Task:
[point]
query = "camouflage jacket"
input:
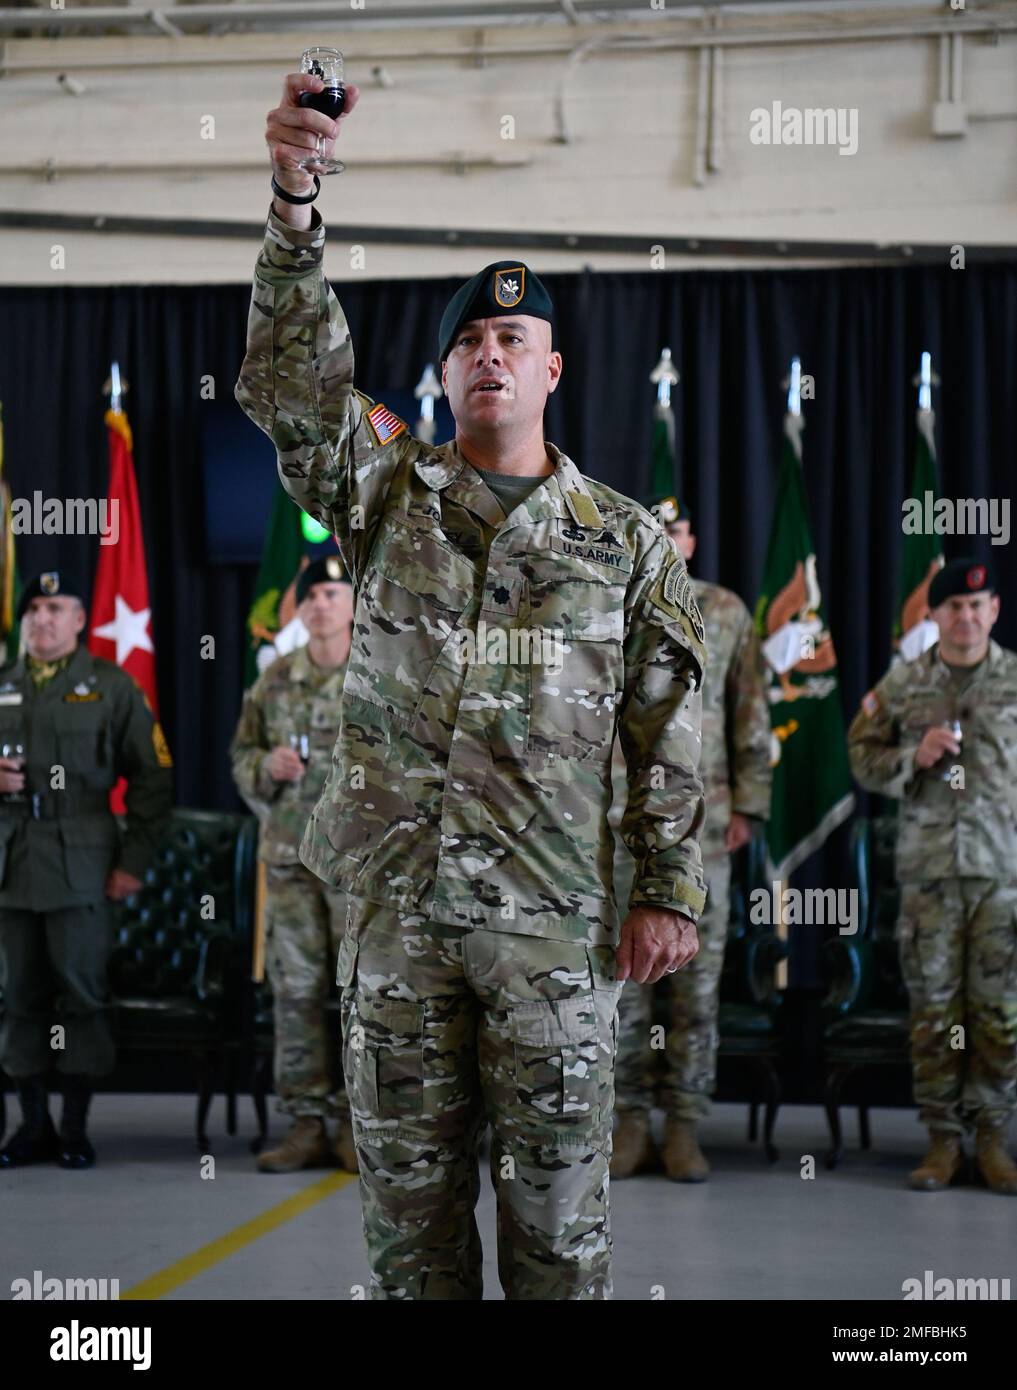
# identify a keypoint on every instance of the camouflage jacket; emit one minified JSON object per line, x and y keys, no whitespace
{"x":471,"y":780}
{"x":291,"y":696}
{"x":735,"y":763}
{"x":946,"y":830}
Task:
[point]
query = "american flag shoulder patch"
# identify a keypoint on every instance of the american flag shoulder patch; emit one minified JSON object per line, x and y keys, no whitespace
{"x":870,"y":704}
{"x":384,"y":424}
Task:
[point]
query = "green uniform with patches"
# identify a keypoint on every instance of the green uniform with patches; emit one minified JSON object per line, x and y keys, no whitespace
{"x":957,"y":868}
{"x":304,"y":918}
{"x":466,"y":810}
{"x":736,"y":773}
{"x":58,"y":844}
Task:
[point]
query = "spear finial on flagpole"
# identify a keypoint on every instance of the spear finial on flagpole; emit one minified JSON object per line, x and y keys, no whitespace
{"x":116,"y":387}
{"x":925,"y":380}
{"x":427,"y":391}
{"x":664,"y":376}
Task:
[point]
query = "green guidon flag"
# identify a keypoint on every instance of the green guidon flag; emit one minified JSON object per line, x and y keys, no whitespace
{"x":287,"y":536}
{"x":663,"y":481}
{"x":812,"y":787}
{"x":913,"y":629}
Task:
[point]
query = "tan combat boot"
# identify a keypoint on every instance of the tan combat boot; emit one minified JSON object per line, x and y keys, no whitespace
{"x":684,"y":1160}
{"x":306,"y":1146}
{"x":633,"y":1148}
{"x":994,"y":1163}
{"x":343,"y":1146}
{"x":941,"y":1164}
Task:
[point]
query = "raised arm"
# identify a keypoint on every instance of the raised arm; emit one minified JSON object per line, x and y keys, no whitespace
{"x":296,"y":381}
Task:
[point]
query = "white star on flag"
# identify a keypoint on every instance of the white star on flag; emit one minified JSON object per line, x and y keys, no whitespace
{"x":128,"y":630}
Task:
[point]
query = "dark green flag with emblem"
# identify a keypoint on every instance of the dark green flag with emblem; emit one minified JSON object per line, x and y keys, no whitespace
{"x":812,"y":787}
{"x":274,"y":590}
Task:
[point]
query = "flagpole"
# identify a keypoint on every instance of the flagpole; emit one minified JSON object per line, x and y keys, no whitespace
{"x":664,"y":376}
{"x":913,"y":630}
{"x":792,"y":427}
{"x":925,"y":378}
{"x":427,"y":391}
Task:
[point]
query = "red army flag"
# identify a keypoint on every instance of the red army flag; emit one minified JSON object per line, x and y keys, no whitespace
{"x":120,"y":626}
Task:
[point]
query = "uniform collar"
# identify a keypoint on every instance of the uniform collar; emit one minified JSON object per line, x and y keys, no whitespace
{"x":79,"y":668}
{"x":448,"y":468}
{"x":992,"y":659}
{"x":303,"y":669}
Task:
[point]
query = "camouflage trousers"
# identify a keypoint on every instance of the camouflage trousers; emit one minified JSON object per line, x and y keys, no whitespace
{"x":681,"y":1076}
{"x":449,"y":1030}
{"x":304,"y":923}
{"x":958,"y":952}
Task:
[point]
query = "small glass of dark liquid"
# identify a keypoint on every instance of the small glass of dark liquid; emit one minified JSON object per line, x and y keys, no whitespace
{"x":326,"y":63}
{"x":14,"y":751}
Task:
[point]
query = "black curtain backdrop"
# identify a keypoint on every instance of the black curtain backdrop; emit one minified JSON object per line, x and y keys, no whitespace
{"x":858,"y":331}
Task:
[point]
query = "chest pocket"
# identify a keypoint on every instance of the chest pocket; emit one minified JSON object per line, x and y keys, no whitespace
{"x":414,"y":592}
{"x":927,"y":709}
{"x":576,"y":686}
{"x":84,"y":742}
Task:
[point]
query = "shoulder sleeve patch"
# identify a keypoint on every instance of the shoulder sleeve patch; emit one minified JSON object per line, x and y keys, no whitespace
{"x":384,"y":425}
{"x":870,"y":704}
{"x":673,"y":595}
{"x":160,"y":746}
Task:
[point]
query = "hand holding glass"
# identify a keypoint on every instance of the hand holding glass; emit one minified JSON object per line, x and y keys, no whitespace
{"x":326,"y":64}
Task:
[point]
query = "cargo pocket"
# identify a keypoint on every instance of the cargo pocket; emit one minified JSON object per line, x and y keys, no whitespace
{"x":995,"y":953}
{"x":607,"y":992}
{"x":556,"y":1064}
{"x":384,"y":1056}
{"x":574,"y":699}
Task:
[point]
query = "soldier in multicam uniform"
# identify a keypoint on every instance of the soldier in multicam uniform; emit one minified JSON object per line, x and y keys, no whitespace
{"x":510,"y":615}
{"x":298,"y":697}
{"x":957,"y":868}
{"x":736,"y":773}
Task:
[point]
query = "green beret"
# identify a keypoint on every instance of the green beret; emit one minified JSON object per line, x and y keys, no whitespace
{"x":497,"y":291}
{"x":50,"y":584}
{"x":328,"y":570}
{"x":668,"y":508}
{"x":967,"y":576}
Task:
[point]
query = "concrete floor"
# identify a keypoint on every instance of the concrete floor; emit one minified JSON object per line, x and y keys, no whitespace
{"x":751,"y":1232}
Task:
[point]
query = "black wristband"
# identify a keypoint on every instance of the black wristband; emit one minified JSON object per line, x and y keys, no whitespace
{"x":290,"y":197}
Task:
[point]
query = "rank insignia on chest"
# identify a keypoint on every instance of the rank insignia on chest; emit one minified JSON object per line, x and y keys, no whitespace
{"x":385,"y":425}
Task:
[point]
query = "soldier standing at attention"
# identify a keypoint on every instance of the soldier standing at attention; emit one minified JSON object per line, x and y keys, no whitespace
{"x":81,"y":723}
{"x":297,"y":697}
{"x":940,"y":734}
{"x":510,"y":616}
{"x":736,"y":774}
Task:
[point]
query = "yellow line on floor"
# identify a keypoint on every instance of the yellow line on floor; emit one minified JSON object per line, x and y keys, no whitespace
{"x":217,"y":1250}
